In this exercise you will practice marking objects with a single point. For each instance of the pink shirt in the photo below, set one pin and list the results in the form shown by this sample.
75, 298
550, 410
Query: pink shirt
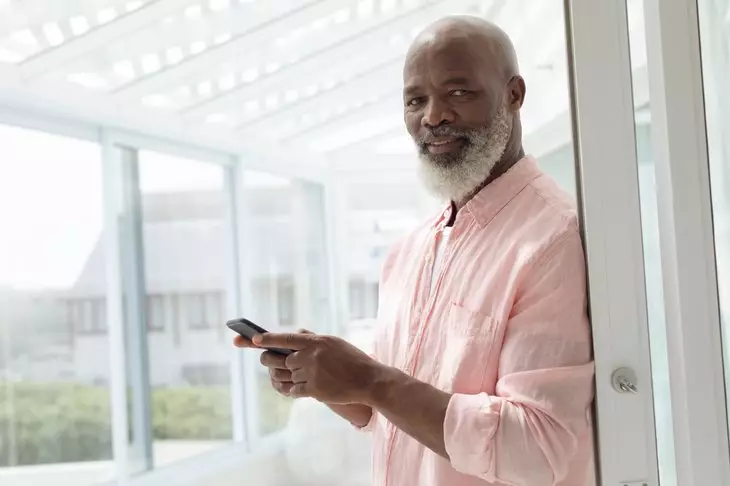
505, 330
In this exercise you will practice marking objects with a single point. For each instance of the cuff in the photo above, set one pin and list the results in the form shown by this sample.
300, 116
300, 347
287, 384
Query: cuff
469, 428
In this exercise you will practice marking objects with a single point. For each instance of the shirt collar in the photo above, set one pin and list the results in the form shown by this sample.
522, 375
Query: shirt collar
488, 202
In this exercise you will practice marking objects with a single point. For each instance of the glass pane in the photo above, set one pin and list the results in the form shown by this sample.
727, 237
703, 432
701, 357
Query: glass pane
288, 265
54, 360
715, 41
184, 241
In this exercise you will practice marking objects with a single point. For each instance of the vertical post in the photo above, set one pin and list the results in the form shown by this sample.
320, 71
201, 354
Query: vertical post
247, 364
112, 197
605, 147
233, 298
134, 291
679, 137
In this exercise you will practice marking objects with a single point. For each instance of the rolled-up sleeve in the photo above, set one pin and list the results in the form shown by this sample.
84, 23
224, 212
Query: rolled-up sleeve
527, 433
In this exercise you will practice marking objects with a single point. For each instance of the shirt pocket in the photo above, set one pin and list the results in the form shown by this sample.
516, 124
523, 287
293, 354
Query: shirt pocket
466, 346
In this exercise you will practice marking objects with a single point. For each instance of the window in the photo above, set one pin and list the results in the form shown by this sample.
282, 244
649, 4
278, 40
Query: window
357, 300
156, 305
87, 316
54, 405
184, 238
288, 268
214, 310
194, 313
98, 312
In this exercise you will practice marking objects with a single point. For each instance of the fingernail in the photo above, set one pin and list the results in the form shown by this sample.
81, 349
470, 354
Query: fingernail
256, 339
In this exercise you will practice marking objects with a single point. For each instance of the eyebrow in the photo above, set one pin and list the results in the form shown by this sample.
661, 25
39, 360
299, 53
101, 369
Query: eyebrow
410, 90
456, 80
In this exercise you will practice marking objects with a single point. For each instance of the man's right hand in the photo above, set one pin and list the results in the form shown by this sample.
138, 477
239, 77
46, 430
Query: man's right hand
281, 381
280, 375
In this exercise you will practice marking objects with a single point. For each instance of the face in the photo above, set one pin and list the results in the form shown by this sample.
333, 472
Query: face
459, 110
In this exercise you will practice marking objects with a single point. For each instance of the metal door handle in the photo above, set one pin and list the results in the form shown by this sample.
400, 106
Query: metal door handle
624, 381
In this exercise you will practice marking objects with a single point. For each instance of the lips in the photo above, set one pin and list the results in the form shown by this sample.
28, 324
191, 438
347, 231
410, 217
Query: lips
443, 141
440, 145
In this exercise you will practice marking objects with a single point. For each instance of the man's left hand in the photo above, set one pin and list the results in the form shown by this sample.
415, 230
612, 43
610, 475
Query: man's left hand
326, 368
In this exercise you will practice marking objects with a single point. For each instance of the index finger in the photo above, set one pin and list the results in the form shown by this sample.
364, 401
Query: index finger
243, 342
295, 341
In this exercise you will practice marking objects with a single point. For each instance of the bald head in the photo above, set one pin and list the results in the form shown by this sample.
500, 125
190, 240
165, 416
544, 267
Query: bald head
495, 48
462, 96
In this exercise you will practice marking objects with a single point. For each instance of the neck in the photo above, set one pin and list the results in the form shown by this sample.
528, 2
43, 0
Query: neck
507, 161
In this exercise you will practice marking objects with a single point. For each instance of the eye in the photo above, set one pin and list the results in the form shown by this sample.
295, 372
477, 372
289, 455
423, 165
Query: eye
414, 101
459, 92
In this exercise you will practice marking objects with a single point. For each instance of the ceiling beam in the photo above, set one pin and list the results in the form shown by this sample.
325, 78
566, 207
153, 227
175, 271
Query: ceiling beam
33, 14
340, 51
98, 37
386, 106
370, 83
65, 103
260, 31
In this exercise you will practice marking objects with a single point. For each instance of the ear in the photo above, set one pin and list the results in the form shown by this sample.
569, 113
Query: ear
516, 91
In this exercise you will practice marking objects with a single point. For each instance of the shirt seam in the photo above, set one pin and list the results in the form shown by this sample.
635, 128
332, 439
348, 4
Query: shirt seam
541, 258
483, 222
568, 218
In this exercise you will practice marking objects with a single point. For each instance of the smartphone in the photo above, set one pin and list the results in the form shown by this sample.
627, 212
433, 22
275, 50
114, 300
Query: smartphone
248, 329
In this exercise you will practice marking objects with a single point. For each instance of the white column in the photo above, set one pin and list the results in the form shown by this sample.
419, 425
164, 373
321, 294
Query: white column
135, 326
245, 361
117, 361
233, 297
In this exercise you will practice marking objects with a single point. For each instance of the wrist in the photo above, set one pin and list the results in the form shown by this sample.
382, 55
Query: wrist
382, 382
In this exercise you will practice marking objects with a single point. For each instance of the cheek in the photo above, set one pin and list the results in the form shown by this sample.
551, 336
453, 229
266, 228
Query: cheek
412, 122
474, 114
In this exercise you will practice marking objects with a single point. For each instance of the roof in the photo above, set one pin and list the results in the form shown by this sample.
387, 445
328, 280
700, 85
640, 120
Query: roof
319, 78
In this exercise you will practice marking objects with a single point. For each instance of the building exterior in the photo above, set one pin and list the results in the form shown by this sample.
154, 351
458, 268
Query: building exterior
184, 238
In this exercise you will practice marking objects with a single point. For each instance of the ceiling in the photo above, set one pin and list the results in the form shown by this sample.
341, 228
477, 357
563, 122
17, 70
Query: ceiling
306, 76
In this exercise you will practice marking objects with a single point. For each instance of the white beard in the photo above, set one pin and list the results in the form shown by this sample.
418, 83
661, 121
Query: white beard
458, 179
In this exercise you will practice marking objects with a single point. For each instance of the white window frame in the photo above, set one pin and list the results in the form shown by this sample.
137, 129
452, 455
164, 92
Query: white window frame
605, 148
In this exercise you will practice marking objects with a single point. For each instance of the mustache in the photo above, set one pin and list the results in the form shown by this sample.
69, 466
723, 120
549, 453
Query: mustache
443, 131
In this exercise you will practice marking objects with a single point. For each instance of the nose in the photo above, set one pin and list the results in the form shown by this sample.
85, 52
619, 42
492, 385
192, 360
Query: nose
437, 113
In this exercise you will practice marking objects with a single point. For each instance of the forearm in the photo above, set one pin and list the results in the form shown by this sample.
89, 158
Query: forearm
355, 413
415, 407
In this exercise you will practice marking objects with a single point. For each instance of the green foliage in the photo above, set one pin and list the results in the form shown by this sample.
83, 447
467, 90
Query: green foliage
42, 423
191, 413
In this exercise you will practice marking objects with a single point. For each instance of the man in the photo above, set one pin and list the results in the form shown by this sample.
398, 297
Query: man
482, 371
